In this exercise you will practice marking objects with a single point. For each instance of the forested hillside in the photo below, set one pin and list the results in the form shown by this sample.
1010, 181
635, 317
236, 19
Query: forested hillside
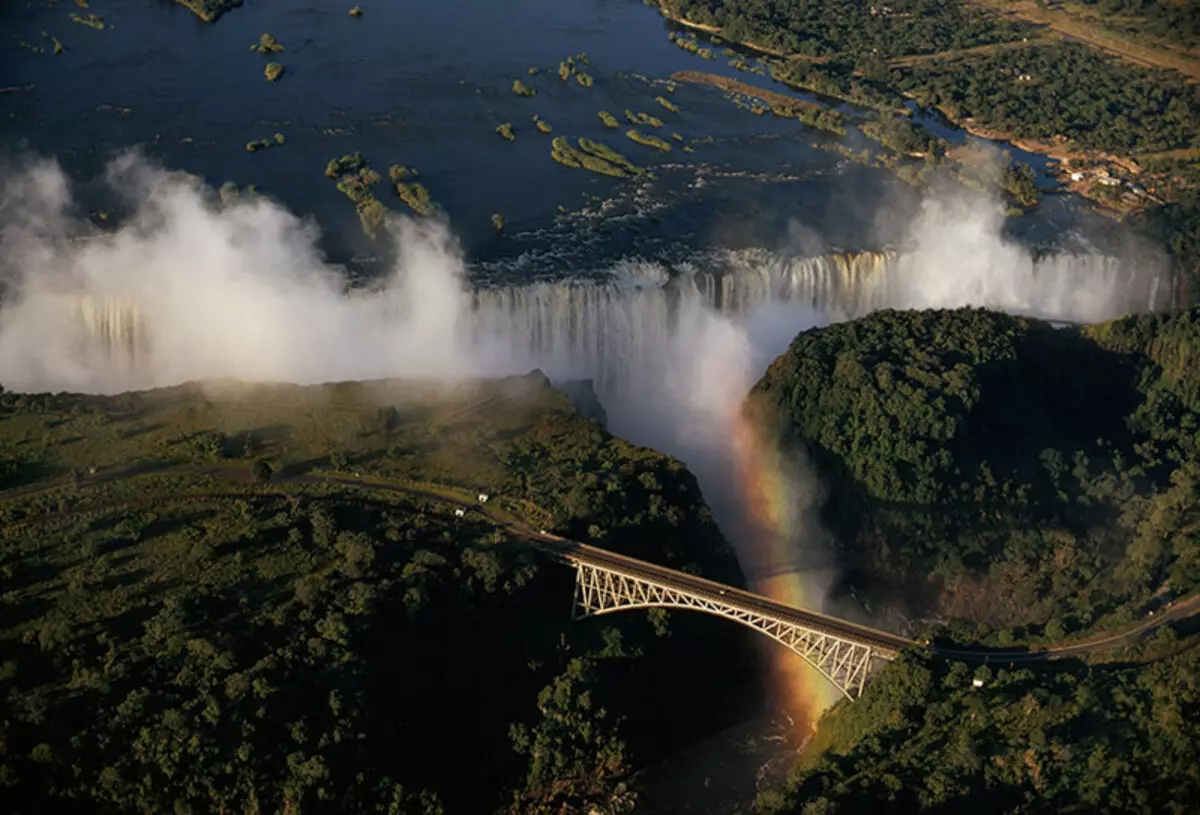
1041, 481
923, 738
253, 599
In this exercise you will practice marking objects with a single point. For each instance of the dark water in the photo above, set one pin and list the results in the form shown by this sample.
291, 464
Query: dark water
425, 85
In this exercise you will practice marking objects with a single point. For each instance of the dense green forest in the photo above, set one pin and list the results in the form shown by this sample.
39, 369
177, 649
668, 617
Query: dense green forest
1071, 90
1041, 481
922, 738
253, 599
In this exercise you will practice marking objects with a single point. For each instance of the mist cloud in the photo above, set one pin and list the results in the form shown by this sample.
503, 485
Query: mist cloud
232, 289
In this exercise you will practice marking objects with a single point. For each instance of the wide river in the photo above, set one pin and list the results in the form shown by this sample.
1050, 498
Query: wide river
426, 85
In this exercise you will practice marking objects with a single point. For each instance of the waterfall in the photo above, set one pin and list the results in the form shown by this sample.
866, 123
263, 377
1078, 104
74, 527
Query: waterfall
617, 330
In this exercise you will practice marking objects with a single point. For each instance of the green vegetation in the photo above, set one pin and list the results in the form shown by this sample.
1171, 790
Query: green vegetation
923, 739
58, 46
999, 77
90, 20
570, 67
667, 103
273, 71
542, 125
759, 101
1019, 182
506, 131
609, 120
398, 173
648, 140
959, 457
417, 196
1063, 89
262, 144
199, 616
521, 89
816, 116
903, 136
267, 44
209, 10
345, 165
355, 180
594, 156
643, 119
498, 221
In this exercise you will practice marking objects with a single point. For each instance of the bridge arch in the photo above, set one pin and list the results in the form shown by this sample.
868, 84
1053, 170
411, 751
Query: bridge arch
844, 662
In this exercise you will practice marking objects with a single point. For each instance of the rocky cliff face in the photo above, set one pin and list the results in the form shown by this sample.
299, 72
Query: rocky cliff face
583, 397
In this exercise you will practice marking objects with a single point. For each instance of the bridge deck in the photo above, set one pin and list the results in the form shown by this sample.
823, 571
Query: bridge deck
575, 552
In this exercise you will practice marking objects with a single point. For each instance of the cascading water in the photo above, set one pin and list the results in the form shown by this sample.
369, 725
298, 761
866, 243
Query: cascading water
618, 330
624, 332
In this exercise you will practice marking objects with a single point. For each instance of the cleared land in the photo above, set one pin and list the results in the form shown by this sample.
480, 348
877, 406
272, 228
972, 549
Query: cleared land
1069, 21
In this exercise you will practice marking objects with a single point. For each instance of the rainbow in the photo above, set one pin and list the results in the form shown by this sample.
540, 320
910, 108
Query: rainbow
772, 531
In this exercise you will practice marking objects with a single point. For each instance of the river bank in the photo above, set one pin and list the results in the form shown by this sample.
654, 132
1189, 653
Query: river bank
1108, 181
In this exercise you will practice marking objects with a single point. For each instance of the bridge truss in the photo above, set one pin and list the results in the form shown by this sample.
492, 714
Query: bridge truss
844, 662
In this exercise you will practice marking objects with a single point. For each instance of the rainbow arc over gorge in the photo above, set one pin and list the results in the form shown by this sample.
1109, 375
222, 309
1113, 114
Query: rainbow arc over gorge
772, 531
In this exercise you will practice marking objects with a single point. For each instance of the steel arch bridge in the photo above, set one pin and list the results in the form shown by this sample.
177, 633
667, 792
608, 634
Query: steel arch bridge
842, 652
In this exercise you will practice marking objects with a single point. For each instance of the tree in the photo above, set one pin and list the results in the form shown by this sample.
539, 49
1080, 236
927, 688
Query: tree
261, 471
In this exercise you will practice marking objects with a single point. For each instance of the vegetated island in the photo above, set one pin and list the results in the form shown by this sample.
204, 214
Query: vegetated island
643, 119
267, 44
411, 191
570, 67
273, 71
209, 10
594, 156
810, 113
90, 20
262, 144
648, 140
224, 595
355, 178
961, 466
